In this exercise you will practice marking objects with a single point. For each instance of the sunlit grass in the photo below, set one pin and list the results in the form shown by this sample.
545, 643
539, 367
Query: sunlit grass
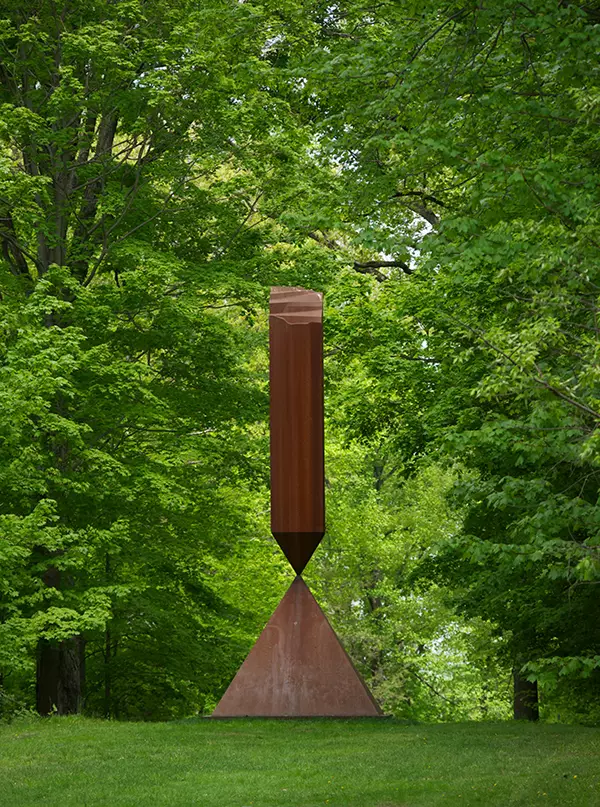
260, 763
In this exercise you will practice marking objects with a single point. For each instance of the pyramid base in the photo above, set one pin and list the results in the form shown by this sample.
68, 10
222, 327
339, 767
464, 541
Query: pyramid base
297, 669
380, 716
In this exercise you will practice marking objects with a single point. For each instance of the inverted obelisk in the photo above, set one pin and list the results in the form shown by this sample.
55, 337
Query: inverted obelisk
297, 668
296, 414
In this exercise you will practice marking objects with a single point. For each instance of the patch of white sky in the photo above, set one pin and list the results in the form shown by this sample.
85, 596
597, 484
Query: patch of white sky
407, 233
444, 643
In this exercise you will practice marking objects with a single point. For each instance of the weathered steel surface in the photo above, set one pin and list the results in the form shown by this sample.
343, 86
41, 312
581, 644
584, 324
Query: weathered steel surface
296, 380
297, 668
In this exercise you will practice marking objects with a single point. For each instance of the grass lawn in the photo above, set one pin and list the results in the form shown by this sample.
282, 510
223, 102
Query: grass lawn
261, 763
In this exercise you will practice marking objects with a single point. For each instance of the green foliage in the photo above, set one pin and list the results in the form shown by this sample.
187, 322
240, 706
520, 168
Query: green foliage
111, 476
145, 156
421, 660
435, 172
466, 142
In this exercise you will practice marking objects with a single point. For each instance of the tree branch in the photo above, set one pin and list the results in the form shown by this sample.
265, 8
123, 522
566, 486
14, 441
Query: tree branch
539, 378
427, 197
372, 268
430, 686
433, 34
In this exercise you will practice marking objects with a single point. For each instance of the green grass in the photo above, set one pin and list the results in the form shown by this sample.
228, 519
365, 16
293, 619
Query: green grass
261, 763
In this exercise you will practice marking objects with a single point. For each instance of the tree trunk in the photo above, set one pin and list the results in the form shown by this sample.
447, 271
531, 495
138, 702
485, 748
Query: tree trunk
60, 673
107, 674
60, 676
525, 702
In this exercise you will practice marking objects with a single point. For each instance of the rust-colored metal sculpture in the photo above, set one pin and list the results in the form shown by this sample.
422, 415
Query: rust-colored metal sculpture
297, 464
297, 668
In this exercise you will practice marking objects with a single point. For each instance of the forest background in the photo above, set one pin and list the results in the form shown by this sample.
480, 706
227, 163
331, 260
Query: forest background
433, 169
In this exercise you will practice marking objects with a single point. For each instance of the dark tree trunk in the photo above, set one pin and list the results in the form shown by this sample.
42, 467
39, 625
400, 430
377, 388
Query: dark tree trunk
60, 676
375, 605
60, 673
107, 674
525, 701
107, 650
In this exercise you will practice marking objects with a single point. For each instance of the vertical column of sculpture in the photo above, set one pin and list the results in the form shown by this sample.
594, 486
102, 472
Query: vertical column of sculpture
296, 398
297, 668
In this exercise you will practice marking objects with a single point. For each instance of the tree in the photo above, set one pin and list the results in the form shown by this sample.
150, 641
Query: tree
434, 170
420, 658
465, 139
146, 153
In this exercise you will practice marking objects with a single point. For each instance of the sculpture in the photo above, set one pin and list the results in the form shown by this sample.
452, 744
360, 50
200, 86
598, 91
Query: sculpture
297, 668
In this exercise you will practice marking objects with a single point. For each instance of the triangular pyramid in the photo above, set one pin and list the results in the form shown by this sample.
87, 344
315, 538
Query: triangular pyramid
297, 668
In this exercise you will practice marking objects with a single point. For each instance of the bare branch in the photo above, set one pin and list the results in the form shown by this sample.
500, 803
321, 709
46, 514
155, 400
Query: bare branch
433, 34
14, 252
539, 378
371, 267
323, 240
426, 197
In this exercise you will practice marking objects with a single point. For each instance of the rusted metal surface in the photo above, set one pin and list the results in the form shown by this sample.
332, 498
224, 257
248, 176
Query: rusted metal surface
296, 380
297, 668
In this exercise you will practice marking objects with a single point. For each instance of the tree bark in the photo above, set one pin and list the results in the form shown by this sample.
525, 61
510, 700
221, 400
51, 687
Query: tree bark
107, 674
525, 700
60, 675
